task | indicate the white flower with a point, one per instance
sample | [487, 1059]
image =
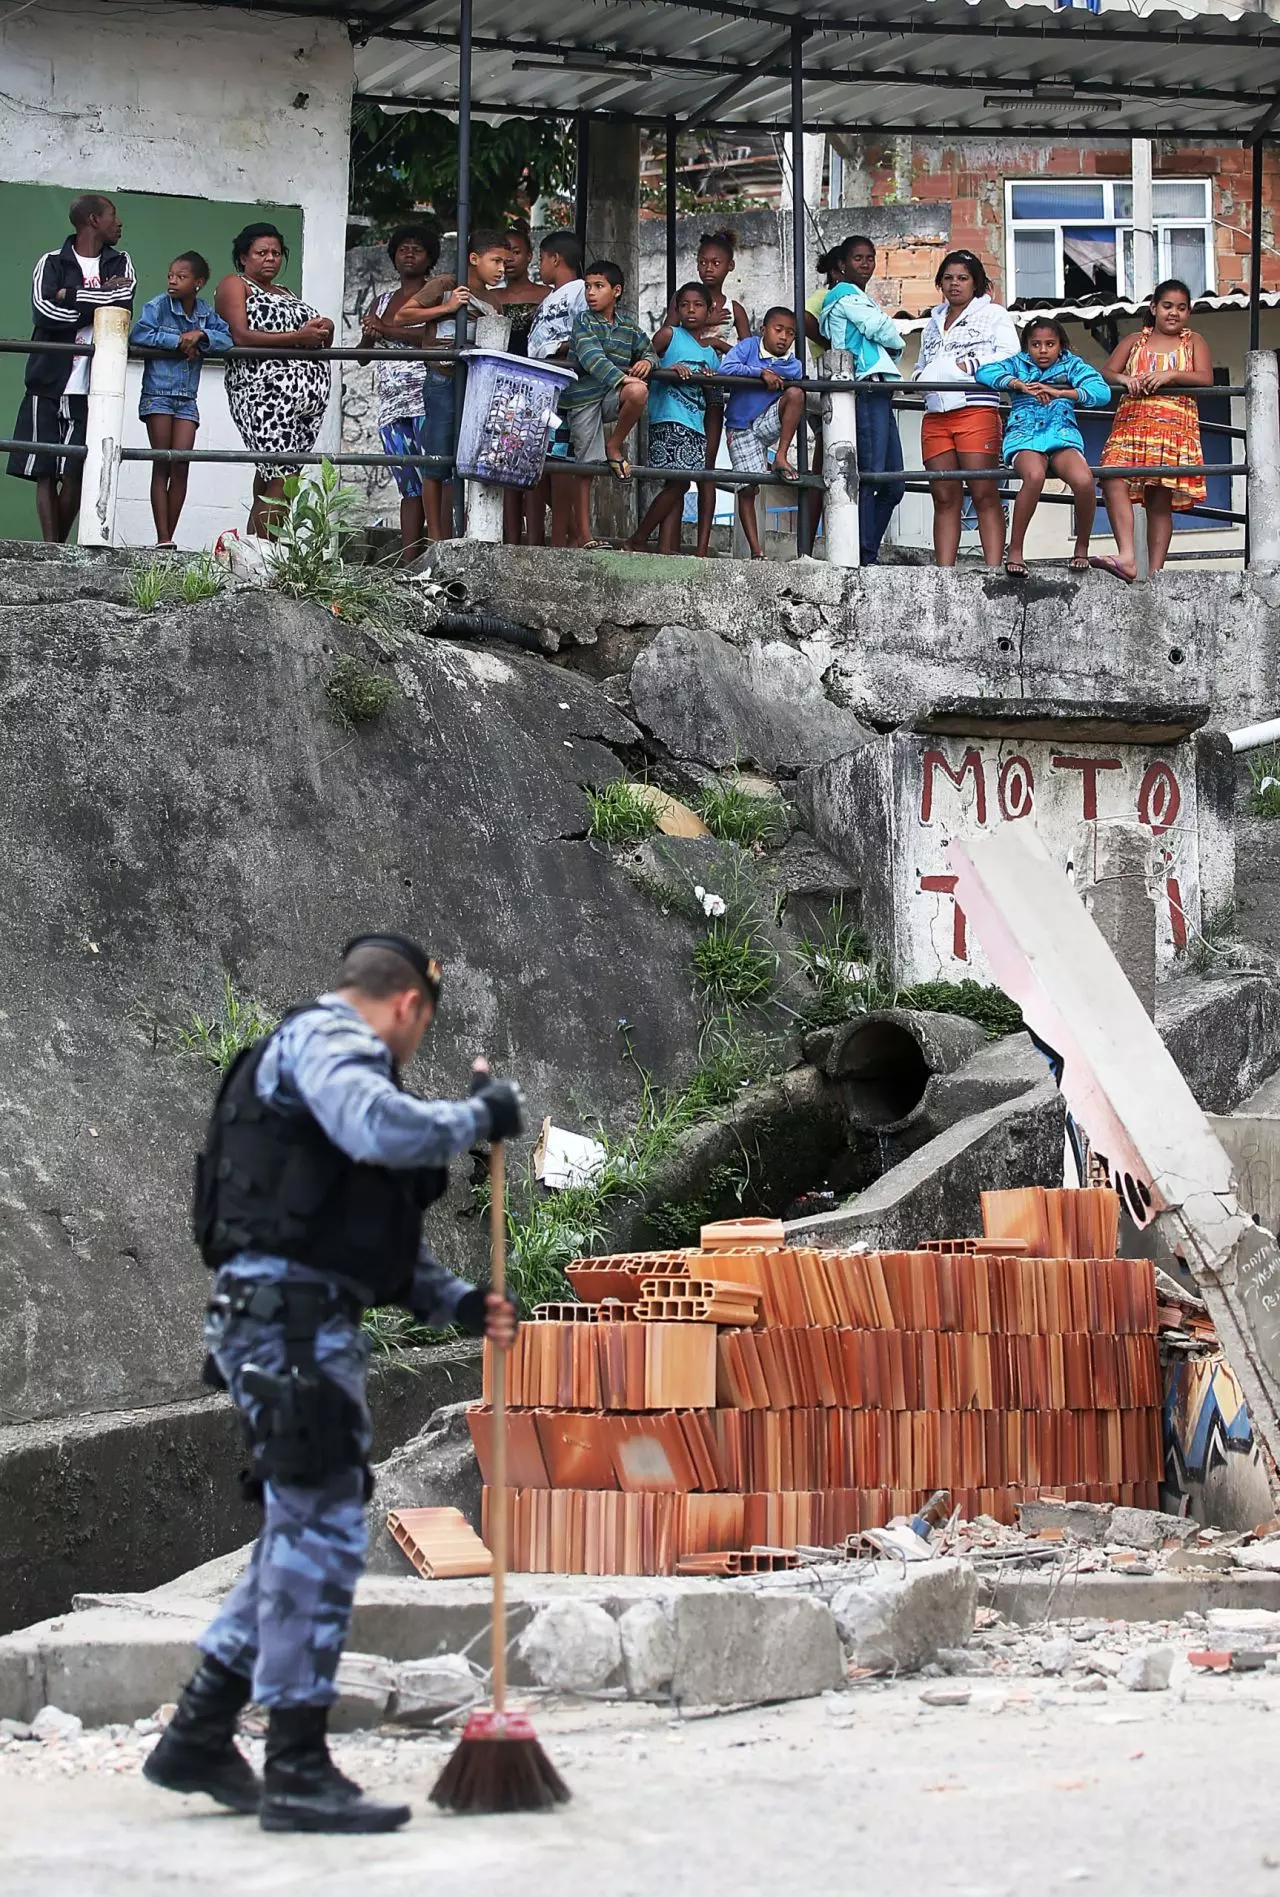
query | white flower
[712, 905]
[699, 891]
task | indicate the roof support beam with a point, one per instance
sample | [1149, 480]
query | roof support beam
[774, 68]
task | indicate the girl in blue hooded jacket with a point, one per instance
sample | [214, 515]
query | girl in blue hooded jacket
[1047, 383]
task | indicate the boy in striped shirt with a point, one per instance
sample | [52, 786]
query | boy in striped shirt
[613, 357]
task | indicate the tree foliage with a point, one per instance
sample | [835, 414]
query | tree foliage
[412, 158]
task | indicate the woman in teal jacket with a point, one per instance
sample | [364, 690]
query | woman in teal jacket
[851, 319]
[1047, 383]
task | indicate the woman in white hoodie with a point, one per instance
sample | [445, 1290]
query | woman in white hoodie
[962, 430]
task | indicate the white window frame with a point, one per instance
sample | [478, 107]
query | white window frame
[1164, 227]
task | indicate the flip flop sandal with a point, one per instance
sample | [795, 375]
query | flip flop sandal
[620, 468]
[1105, 564]
[1079, 563]
[1016, 569]
[787, 475]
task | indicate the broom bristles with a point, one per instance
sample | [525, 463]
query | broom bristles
[498, 1765]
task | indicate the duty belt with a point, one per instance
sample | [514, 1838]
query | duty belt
[302, 1308]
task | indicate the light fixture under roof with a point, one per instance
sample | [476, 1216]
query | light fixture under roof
[582, 62]
[1052, 99]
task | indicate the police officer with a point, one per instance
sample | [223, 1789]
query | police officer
[309, 1199]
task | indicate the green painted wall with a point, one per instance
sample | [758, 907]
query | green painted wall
[34, 219]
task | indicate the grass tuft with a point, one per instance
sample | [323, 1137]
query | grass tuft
[731, 967]
[991, 1008]
[620, 814]
[358, 694]
[152, 583]
[736, 815]
[201, 578]
[1264, 777]
[219, 1038]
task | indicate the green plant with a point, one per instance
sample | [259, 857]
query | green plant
[201, 578]
[1212, 950]
[412, 159]
[221, 1037]
[393, 1332]
[731, 967]
[358, 694]
[991, 1008]
[620, 813]
[152, 583]
[678, 1225]
[1264, 777]
[736, 815]
[842, 970]
[307, 563]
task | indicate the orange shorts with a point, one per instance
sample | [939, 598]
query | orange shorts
[967, 430]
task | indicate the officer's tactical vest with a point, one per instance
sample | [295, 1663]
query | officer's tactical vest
[269, 1181]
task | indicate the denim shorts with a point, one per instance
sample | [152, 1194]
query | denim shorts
[181, 407]
[437, 433]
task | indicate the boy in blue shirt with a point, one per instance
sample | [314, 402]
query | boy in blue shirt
[757, 418]
[677, 415]
[181, 320]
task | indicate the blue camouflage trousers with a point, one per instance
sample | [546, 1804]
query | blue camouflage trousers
[286, 1622]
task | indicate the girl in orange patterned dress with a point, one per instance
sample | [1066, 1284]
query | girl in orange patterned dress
[1155, 429]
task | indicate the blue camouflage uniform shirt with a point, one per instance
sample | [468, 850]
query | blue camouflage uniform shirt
[329, 1062]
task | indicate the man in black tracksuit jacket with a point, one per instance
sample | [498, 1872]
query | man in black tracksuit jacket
[68, 285]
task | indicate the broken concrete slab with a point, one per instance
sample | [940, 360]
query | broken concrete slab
[572, 1646]
[1224, 1035]
[1146, 1670]
[427, 1690]
[764, 702]
[1148, 1528]
[648, 1636]
[738, 1648]
[1030, 1599]
[1075, 1521]
[894, 1620]
[365, 1683]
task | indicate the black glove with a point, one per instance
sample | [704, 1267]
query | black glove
[505, 1103]
[470, 1312]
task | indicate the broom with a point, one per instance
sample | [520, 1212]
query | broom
[498, 1765]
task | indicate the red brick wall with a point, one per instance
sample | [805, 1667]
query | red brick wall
[971, 174]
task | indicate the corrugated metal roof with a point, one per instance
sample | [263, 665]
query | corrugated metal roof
[926, 66]
[911, 322]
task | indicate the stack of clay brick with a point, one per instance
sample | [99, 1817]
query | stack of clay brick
[749, 1394]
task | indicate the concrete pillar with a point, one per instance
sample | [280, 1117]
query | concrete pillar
[1144, 220]
[482, 518]
[105, 428]
[1262, 424]
[840, 465]
[613, 230]
[1111, 866]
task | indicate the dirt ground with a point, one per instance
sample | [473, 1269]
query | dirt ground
[1034, 1785]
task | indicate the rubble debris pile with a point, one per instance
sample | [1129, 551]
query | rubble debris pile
[869, 1382]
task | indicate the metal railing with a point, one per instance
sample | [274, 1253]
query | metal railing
[903, 396]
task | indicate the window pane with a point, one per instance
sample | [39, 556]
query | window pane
[1122, 199]
[1089, 261]
[1050, 201]
[1035, 265]
[1174, 198]
[1187, 258]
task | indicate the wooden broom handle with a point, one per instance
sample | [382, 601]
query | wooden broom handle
[498, 1500]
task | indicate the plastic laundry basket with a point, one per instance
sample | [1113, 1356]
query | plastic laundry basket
[508, 417]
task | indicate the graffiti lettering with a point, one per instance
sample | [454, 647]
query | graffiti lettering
[971, 762]
[1159, 799]
[1016, 789]
[1088, 768]
[946, 886]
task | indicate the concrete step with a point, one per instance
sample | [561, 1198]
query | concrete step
[119, 1656]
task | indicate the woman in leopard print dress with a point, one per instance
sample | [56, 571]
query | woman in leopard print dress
[277, 406]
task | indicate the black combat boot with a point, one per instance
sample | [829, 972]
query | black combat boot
[303, 1790]
[197, 1751]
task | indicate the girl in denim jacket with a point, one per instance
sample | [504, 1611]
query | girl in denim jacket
[177, 320]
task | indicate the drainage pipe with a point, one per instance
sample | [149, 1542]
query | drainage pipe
[884, 1063]
[1253, 737]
